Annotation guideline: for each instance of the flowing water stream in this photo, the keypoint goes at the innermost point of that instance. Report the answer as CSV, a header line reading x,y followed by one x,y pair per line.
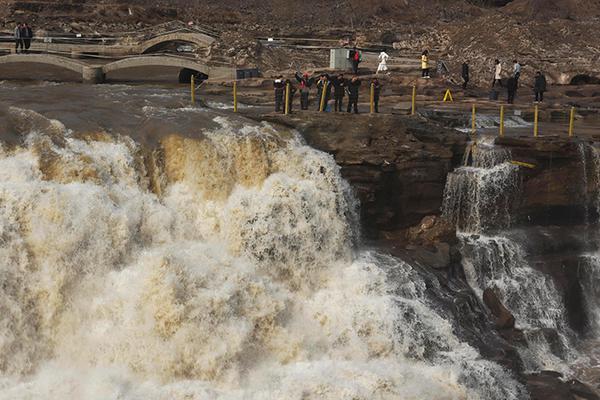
x,y
159,251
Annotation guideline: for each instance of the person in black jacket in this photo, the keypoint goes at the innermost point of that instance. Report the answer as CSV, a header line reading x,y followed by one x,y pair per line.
x,y
27,33
353,87
539,86
322,83
511,87
279,86
305,84
18,38
339,91
376,92
465,74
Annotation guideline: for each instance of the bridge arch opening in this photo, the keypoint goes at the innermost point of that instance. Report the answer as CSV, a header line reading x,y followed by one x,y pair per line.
x,y
185,76
584,79
173,46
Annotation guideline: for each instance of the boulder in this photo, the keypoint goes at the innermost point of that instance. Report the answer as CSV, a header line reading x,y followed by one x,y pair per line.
x,y
503,317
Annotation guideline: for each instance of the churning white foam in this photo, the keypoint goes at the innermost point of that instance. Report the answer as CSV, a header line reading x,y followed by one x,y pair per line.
x,y
237,281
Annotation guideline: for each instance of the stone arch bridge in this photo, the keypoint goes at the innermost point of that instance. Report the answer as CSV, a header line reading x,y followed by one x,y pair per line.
x,y
93,73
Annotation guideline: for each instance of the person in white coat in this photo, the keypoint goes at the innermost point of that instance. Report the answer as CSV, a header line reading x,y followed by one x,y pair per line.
x,y
383,57
497,74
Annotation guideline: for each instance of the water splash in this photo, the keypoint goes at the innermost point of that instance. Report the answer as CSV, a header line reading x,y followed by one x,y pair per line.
x,y
222,266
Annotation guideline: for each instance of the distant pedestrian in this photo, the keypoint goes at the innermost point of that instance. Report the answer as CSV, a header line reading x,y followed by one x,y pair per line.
x,y
425,65
465,74
339,91
27,34
516,70
511,87
279,86
377,86
355,59
305,84
383,57
323,85
352,89
539,87
497,74
18,38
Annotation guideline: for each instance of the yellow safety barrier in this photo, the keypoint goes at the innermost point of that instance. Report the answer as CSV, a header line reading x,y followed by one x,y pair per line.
x,y
522,164
287,98
372,99
536,115
473,121
571,121
322,105
235,104
501,121
447,96
193,89
414,96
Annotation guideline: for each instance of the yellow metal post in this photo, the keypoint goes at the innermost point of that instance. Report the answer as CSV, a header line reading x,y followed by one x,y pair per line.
x,y
287,98
535,121
234,96
322,105
372,99
193,89
473,121
501,121
414,96
571,121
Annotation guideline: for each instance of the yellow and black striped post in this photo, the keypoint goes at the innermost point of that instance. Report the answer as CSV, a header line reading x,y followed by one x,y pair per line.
x,y
414,98
287,98
193,89
502,121
372,98
571,122
235,103
536,116
322,105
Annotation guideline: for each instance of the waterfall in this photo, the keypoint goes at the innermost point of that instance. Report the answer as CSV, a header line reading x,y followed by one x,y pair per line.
x,y
220,266
479,201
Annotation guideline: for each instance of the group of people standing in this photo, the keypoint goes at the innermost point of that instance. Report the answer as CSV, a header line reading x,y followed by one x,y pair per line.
x,y
23,37
328,87
512,83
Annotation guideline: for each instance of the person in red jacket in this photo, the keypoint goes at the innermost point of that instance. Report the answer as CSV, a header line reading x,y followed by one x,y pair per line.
x,y
355,59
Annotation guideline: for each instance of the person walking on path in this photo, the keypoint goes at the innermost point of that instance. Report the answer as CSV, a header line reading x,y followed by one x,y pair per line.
x,y
18,38
305,84
511,87
323,84
279,86
539,87
377,86
425,65
465,74
383,57
339,91
353,87
516,70
355,58
27,34
497,74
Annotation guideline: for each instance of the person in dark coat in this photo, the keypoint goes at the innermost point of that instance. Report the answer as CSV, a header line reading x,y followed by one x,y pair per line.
x,y
279,86
305,84
465,74
18,38
27,34
352,89
339,91
511,87
355,59
376,92
539,86
323,83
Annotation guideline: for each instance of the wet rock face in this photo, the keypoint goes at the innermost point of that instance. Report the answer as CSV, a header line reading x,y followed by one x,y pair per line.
x,y
397,165
504,318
